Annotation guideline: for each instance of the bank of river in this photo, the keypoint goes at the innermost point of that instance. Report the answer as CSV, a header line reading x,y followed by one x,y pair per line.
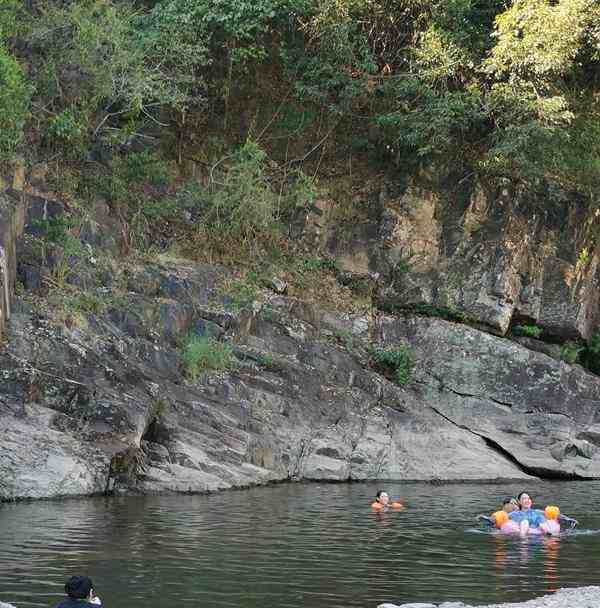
x,y
583,597
295,546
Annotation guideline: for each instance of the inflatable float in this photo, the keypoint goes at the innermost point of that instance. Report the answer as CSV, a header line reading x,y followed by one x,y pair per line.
x,y
531,522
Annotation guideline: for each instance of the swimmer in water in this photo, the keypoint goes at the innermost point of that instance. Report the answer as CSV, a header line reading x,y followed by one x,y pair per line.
x,y
508,506
528,519
500,519
518,516
382,502
536,521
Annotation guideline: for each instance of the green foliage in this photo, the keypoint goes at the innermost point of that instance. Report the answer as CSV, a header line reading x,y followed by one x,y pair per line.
x,y
57,231
67,133
398,361
347,339
294,120
320,264
332,61
65,127
238,29
269,363
241,293
569,352
161,408
448,312
541,41
87,301
485,87
267,312
162,209
502,88
531,331
201,354
359,284
191,198
402,266
127,64
128,175
435,123
301,192
141,167
14,103
11,18
243,204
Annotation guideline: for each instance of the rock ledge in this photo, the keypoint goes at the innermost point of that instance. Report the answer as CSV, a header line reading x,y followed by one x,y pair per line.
x,y
582,597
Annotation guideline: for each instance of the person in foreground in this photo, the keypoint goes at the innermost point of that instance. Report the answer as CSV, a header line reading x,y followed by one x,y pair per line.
x,y
382,502
80,592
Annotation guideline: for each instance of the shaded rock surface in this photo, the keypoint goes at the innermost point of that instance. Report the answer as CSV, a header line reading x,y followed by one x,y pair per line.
x,y
584,597
100,403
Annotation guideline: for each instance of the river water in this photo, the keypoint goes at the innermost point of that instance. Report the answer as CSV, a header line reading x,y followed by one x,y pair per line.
x,y
295,546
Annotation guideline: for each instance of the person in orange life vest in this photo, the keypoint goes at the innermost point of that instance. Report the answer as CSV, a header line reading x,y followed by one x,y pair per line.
x,y
382,502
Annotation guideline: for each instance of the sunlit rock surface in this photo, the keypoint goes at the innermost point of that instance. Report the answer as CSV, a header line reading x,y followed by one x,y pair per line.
x,y
94,402
584,597
485,253
103,405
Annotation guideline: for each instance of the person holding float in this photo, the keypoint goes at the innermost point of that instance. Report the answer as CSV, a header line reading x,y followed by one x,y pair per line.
x,y
382,502
518,517
500,519
528,519
536,521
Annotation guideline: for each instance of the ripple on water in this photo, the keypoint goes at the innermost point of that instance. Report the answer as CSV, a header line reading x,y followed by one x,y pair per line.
x,y
309,546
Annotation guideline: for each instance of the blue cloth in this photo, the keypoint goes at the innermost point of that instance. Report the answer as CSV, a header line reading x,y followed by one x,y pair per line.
x,y
71,603
535,517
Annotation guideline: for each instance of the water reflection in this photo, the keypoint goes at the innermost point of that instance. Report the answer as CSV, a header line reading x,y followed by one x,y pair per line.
x,y
516,559
309,546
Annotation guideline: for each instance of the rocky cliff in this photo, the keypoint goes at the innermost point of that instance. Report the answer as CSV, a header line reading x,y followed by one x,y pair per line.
x,y
485,254
93,398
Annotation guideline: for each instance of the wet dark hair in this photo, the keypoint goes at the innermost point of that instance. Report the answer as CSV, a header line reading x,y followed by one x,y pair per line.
x,y
379,493
519,497
508,501
78,587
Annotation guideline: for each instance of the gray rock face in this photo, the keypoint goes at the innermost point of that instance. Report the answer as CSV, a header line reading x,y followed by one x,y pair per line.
x,y
485,254
101,404
91,403
505,393
12,213
584,597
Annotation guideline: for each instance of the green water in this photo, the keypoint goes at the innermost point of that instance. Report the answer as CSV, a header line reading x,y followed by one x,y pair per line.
x,y
292,546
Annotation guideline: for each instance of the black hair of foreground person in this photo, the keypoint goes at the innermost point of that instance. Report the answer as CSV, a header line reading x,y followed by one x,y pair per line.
x,y
80,593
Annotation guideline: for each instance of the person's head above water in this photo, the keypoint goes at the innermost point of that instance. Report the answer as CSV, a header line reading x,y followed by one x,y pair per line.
x,y
79,587
525,501
382,497
509,505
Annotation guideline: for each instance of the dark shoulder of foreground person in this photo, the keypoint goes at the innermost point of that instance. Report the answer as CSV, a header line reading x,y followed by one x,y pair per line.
x,y
73,603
